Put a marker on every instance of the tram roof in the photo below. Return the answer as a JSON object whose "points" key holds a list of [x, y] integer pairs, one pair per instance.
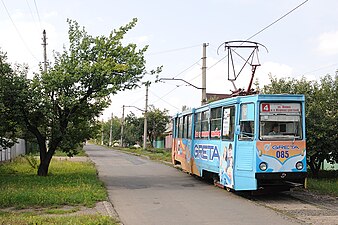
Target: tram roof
{"points": [[245, 99]]}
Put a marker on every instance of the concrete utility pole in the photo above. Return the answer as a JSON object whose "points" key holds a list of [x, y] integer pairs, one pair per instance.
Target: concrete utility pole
{"points": [[102, 133], [111, 130], [44, 39], [122, 122], [145, 119], [204, 74]]}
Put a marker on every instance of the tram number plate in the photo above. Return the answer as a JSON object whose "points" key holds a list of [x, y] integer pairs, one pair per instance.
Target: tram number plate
{"points": [[282, 154]]}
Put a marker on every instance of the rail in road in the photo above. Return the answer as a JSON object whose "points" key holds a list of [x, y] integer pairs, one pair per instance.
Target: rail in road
{"points": [[148, 192]]}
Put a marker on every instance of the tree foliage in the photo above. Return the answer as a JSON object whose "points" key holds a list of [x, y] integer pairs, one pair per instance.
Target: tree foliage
{"points": [[12, 86], [61, 106], [157, 121], [321, 115]]}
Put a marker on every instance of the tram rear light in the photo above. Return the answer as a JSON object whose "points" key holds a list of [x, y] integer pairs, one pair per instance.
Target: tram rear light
{"points": [[263, 166], [299, 165]]}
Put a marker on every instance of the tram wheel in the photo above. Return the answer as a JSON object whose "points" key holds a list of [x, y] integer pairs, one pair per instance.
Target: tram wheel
{"points": [[228, 189]]}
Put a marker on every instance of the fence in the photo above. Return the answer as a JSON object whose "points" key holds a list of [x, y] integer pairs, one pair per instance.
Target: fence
{"points": [[10, 153]]}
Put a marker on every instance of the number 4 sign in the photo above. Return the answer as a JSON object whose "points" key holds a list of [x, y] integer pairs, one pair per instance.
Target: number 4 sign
{"points": [[265, 107]]}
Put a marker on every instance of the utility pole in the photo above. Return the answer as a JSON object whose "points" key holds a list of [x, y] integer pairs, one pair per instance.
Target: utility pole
{"points": [[111, 130], [145, 118], [44, 39], [121, 141], [102, 133], [204, 74]]}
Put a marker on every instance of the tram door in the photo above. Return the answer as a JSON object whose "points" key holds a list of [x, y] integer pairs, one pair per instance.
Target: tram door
{"points": [[244, 174]]}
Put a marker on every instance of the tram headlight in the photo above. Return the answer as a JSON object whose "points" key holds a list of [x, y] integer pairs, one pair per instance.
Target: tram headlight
{"points": [[263, 166], [299, 165]]}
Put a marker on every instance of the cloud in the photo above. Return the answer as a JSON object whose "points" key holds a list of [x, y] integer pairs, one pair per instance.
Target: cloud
{"points": [[328, 44], [278, 70]]}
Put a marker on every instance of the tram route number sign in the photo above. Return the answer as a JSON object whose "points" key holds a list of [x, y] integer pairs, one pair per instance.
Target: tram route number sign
{"points": [[280, 108]]}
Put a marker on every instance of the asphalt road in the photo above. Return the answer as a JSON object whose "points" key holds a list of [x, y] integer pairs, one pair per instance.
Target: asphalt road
{"points": [[147, 192]]}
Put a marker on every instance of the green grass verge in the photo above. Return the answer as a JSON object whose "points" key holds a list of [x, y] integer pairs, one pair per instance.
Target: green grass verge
{"points": [[68, 183], [31, 218], [154, 154], [326, 183]]}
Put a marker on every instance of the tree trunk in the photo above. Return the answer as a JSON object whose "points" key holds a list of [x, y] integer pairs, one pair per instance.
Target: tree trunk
{"points": [[315, 165], [45, 157]]}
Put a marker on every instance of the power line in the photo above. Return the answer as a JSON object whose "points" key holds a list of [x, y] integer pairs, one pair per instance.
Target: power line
{"points": [[173, 50], [320, 68], [164, 100], [277, 20], [17, 30], [280, 18], [188, 68], [265, 28], [37, 12]]}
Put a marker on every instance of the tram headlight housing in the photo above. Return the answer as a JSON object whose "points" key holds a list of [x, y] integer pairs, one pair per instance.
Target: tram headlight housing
{"points": [[263, 166], [299, 165]]}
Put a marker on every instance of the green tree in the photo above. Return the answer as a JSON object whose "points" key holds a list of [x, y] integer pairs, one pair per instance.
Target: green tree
{"points": [[321, 115], [9, 126], [59, 107], [133, 130], [157, 121]]}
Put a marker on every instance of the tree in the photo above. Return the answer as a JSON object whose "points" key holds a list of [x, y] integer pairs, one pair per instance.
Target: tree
{"points": [[9, 127], [133, 129], [157, 122], [321, 115], [60, 106]]}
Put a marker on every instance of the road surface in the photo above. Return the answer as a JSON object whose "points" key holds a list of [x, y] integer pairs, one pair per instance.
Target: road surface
{"points": [[151, 193]]}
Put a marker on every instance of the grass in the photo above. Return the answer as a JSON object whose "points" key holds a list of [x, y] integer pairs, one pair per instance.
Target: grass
{"points": [[326, 183], [68, 183], [154, 154], [31, 218]]}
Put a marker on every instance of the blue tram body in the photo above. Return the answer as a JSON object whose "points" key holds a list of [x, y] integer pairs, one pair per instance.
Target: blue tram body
{"points": [[245, 142]]}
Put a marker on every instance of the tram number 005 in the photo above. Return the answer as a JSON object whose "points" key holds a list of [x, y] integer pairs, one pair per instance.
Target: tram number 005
{"points": [[282, 154]]}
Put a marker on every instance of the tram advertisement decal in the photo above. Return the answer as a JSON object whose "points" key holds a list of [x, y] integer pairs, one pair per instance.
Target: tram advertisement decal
{"points": [[281, 150]]}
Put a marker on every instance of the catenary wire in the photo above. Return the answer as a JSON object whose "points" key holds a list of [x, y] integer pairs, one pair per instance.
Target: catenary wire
{"points": [[17, 30], [37, 12], [260, 31], [173, 50]]}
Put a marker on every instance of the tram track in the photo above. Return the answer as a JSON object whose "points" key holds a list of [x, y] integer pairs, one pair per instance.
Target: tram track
{"points": [[303, 205]]}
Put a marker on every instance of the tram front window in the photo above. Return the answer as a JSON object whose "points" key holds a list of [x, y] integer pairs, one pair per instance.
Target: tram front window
{"points": [[281, 125]]}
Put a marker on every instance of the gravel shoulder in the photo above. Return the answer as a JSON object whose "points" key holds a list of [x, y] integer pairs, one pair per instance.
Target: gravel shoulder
{"points": [[305, 206]]}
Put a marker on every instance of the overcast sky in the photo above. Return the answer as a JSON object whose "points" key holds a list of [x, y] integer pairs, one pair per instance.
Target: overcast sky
{"points": [[303, 43]]}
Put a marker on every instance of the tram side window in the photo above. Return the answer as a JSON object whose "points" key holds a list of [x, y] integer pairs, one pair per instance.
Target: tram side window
{"points": [[205, 124], [247, 122], [180, 127], [187, 126], [215, 122], [175, 122], [189, 117], [228, 123], [198, 125]]}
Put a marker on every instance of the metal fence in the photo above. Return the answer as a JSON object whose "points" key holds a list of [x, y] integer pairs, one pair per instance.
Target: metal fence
{"points": [[10, 153]]}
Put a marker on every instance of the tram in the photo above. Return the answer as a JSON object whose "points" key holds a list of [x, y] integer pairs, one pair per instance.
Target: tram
{"points": [[248, 142]]}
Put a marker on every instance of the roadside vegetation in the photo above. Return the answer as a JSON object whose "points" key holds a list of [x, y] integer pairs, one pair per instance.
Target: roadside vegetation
{"points": [[159, 154], [326, 183], [30, 198]]}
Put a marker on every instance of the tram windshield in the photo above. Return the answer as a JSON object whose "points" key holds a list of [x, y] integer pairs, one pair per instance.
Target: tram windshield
{"points": [[280, 121]]}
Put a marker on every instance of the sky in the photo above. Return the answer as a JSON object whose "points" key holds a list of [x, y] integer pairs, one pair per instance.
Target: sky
{"points": [[303, 43]]}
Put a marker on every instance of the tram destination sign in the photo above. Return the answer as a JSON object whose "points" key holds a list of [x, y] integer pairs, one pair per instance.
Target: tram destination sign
{"points": [[280, 108]]}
